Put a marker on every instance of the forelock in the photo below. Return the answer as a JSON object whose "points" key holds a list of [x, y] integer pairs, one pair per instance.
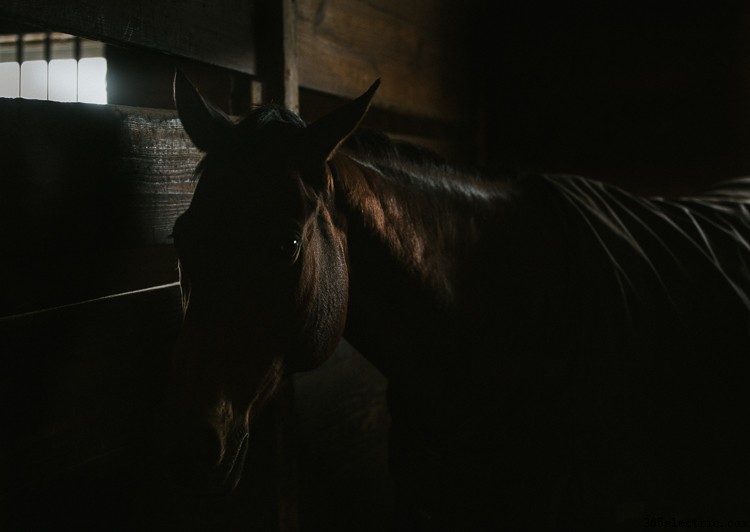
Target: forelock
{"points": [[263, 116]]}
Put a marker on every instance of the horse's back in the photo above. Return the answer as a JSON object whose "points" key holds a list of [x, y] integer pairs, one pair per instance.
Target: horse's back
{"points": [[661, 301], [619, 396]]}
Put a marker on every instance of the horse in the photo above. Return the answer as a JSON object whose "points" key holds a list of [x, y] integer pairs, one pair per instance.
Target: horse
{"points": [[560, 353]]}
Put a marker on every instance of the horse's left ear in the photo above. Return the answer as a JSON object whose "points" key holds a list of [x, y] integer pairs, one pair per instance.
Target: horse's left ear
{"points": [[324, 136], [205, 124]]}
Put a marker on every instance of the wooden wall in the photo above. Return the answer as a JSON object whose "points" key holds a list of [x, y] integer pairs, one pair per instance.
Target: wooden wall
{"points": [[90, 196]]}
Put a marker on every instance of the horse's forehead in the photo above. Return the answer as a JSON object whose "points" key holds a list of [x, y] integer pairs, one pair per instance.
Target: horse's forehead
{"points": [[249, 191]]}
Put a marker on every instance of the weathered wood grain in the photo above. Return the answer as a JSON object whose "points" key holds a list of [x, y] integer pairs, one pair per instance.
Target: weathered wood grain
{"points": [[219, 35], [90, 194], [419, 49]]}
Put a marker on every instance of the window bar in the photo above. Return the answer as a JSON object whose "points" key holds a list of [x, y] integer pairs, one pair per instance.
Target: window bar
{"points": [[77, 57], [47, 55], [19, 58]]}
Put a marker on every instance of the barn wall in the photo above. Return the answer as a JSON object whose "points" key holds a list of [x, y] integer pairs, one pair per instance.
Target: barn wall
{"points": [[419, 49], [423, 51], [91, 194]]}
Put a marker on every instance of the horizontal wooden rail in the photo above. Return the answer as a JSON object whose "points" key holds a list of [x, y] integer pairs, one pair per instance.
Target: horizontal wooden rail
{"points": [[81, 380], [218, 35]]}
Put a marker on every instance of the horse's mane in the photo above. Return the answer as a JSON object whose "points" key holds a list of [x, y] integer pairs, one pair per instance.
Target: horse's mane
{"points": [[414, 165], [403, 162], [376, 145]]}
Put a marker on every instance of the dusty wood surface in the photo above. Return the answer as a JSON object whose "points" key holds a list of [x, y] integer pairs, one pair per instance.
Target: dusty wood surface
{"points": [[90, 196], [219, 35]]}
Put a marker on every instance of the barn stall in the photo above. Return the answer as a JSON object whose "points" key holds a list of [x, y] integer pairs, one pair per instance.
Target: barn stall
{"points": [[90, 304]]}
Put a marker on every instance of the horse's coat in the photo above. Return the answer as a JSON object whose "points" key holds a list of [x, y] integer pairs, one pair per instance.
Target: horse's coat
{"points": [[560, 353]]}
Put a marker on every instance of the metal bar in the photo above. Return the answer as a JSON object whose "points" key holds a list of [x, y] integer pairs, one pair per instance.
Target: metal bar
{"points": [[77, 57], [77, 48], [47, 55], [19, 58]]}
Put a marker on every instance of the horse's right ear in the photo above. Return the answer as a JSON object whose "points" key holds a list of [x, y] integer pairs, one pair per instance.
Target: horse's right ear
{"points": [[325, 135], [205, 124]]}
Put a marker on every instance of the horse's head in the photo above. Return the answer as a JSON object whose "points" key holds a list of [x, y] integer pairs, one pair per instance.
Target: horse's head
{"points": [[263, 270]]}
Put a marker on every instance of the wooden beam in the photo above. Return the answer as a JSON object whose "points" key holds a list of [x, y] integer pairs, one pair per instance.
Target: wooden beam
{"points": [[220, 35], [421, 50]]}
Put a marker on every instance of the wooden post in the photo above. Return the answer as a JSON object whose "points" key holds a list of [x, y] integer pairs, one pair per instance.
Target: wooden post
{"points": [[277, 52]]}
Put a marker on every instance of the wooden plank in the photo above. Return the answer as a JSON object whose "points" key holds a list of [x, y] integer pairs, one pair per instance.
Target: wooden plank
{"points": [[145, 78], [88, 187], [420, 50], [220, 34], [67, 278]]}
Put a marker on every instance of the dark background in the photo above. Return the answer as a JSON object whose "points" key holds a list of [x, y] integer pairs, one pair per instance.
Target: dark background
{"points": [[654, 96]]}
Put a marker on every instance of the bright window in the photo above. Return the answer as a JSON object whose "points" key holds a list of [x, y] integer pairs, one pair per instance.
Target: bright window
{"points": [[52, 66]]}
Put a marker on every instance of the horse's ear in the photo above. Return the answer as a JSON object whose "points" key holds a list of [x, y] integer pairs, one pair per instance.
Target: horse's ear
{"points": [[325, 135], [205, 124]]}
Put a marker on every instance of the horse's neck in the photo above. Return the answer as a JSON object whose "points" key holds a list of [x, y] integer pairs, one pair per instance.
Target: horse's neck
{"points": [[412, 240]]}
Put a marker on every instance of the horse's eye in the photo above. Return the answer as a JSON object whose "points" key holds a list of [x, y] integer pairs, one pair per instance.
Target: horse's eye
{"points": [[288, 248]]}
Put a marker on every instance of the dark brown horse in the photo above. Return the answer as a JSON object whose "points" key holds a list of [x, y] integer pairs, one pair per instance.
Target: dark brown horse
{"points": [[559, 353]]}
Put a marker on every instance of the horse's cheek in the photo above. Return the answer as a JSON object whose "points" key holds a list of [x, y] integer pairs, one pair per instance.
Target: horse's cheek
{"points": [[322, 301]]}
